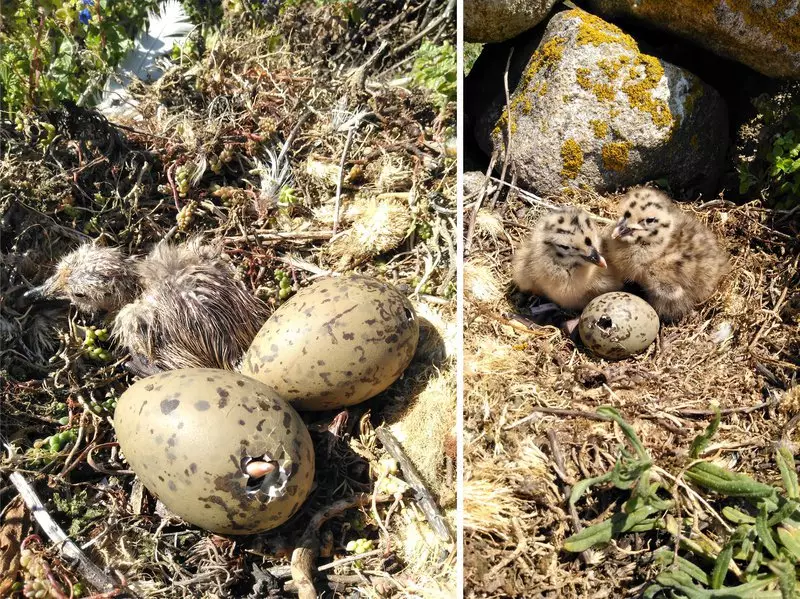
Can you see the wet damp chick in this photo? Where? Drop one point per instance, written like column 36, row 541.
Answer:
column 179, row 307
column 563, row 260
column 674, row 257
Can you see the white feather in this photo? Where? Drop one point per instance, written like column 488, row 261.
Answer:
column 169, row 26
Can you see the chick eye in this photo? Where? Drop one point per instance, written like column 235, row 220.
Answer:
column 79, row 295
column 650, row 221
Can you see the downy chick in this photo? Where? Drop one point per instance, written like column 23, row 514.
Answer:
column 180, row 307
column 673, row 256
column 562, row 260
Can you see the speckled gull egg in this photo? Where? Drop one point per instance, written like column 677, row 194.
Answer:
column 192, row 435
column 335, row 343
column 617, row 325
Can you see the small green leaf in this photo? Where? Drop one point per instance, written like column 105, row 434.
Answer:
column 764, row 532
column 737, row 516
column 721, row 564
column 581, row 487
column 788, row 468
column 701, row 441
column 789, row 537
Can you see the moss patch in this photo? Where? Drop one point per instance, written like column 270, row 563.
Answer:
column 616, row 155
column 571, row 159
column 600, row 128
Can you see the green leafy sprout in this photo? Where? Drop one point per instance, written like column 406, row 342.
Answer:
column 761, row 551
column 435, row 70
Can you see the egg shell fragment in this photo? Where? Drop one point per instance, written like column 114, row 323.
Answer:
column 189, row 435
column 335, row 343
column 617, row 325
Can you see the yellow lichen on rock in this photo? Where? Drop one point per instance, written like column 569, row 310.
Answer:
column 546, row 56
column 643, row 76
column 612, row 67
column 594, row 30
column 640, row 92
column 604, row 92
column 571, row 159
column 616, row 155
column 600, row 128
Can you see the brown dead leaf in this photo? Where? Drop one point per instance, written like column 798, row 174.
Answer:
column 15, row 523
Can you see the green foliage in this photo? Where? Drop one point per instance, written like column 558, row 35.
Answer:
column 760, row 552
column 56, row 50
column 471, row 53
column 770, row 158
column 435, row 69
column 208, row 12
column 784, row 161
column 79, row 509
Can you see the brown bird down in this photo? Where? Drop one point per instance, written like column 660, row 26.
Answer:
column 180, row 307
column 672, row 255
column 563, row 260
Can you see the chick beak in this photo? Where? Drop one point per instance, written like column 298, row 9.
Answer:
column 596, row 258
column 35, row 294
column 259, row 469
column 52, row 287
column 621, row 230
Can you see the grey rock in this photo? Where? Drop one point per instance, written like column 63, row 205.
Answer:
column 590, row 110
column 488, row 21
column 762, row 34
column 473, row 183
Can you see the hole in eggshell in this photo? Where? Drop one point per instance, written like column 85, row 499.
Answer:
column 605, row 323
column 409, row 314
column 259, row 471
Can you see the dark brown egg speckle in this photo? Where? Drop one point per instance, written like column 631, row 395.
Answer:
column 205, row 427
column 617, row 325
column 336, row 343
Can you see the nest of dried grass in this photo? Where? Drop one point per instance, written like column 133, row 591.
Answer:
column 240, row 124
column 530, row 396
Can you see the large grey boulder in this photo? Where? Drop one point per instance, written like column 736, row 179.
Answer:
column 763, row 34
column 590, row 110
column 488, row 21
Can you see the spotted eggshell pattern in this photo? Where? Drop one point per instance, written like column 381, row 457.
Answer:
column 617, row 325
column 335, row 343
column 188, row 434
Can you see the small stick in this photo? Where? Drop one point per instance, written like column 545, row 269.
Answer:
column 348, row 559
column 86, row 568
column 425, row 499
column 339, row 183
column 739, row 410
column 561, row 470
column 278, row 237
column 305, row 554
column 477, row 206
column 450, row 8
column 522, row 546
column 497, row 193
column 557, row 412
